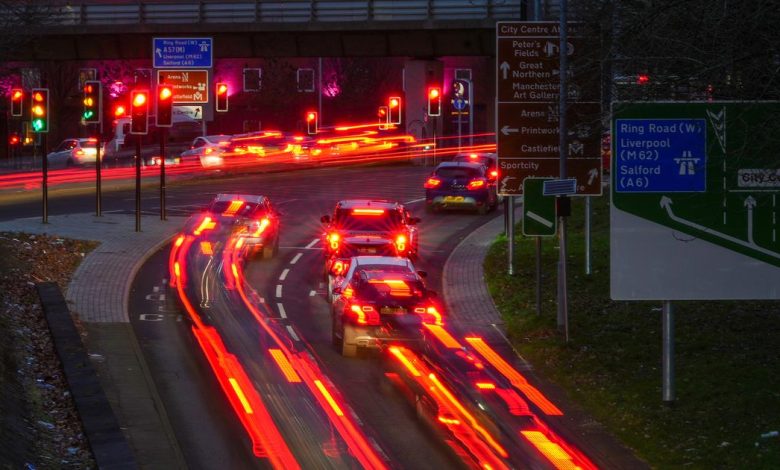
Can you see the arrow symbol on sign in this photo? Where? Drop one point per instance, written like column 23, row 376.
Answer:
column 666, row 203
column 750, row 203
column 592, row 174
column 505, row 69
column 506, row 130
column 158, row 52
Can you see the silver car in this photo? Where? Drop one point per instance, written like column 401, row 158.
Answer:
column 205, row 146
column 74, row 152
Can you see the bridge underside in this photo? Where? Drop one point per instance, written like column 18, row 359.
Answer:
column 422, row 42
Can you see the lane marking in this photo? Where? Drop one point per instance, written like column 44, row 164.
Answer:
column 278, row 290
column 414, row 200
column 287, row 247
column 312, row 293
column 292, row 333
column 284, row 274
column 312, row 243
column 282, row 313
column 296, row 258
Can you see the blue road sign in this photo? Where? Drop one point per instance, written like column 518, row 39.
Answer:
column 559, row 187
column 459, row 104
column 182, row 52
column 660, row 155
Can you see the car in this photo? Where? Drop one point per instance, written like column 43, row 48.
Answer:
column 367, row 227
column 250, row 217
column 489, row 159
column 74, row 152
column 205, row 145
column 381, row 300
column 460, row 185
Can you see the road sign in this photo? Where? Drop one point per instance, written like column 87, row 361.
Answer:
column 539, row 217
column 560, row 187
column 189, row 86
column 182, row 53
column 528, row 125
column 192, row 112
column 695, row 201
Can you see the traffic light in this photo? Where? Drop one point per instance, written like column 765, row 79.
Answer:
column 382, row 115
column 139, row 112
column 92, row 102
column 642, row 79
column 434, row 101
column 39, row 111
column 164, row 106
column 394, row 110
column 311, row 122
column 120, row 110
column 222, row 97
column 17, row 95
column 14, row 139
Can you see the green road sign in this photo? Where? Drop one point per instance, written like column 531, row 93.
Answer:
column 539, row 218
column 706, row 172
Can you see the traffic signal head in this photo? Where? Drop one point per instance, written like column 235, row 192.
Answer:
column 311, row 122
column 382, row 115
column 17, row 95
column 434, row 101
column 39, row 111
column 13, row 139
column 222, row 97
column 164, row 106
column 642, row 79
column 92, row 102
column 394, row 110
column 119, row 110
column 139, row 112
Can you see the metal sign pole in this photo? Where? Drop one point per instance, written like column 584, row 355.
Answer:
column 137, row 183
column 511, row 236
column 163, row 136
column 471, row 113
column 667, row 352
column 538, row 275
column 588, row 212
column 45, row 182
column 563, row 313
column 98, row 176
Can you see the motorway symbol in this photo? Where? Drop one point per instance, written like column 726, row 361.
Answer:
column 539, row 216
column 182, row 52
column 705, row 170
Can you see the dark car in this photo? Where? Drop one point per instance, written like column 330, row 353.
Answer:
column 381, row 299
column 367, row 227
column 251, row 218
column 460, row 185
column 490, row 160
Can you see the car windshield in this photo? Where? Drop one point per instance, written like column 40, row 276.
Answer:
column 375, row 220
column 235, row 208
column 379, row 284
column 458, row 172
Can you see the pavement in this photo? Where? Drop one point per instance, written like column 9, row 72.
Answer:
column 99, row 292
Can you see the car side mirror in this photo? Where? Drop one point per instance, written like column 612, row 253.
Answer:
column 325, row 219
column 413, row 220
column 422, row 274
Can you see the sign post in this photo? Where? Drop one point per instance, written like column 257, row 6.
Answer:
column 539, row 217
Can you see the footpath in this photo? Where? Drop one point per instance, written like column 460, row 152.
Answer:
column 99, row 292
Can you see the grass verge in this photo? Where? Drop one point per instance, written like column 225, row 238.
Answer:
column 727, row 356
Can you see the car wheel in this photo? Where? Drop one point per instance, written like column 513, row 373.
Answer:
column 347, row 350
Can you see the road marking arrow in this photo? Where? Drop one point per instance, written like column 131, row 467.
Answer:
column 666, row 203
column 539, row 219
column 505, row 69
column 506, row 130
column 750, row 203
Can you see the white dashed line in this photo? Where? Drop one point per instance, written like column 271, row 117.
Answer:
column 296, row 258
column 292, row 333
column 414, row 200
column 282, row 313
column 312, row 293
column 312, row 243
column 278, row 290
column 284, row 274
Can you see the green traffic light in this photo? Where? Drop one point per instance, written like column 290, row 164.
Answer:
column 38, row 125
column 88, row 114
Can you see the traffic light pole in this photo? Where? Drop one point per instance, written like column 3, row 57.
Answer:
column 163, row 136
column 45, row 182
column 563, row 310
column 98, row 176
column 137, row 183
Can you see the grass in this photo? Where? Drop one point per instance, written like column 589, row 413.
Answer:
column 727, row 356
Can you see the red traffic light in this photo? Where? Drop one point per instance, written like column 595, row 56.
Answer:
column 311, row 122
column 17, row 95
column 164, row 106
column 166, row 93
column 394, row 102
column 311, row 116
column 139, row 112
column 222, row 97
column 13, row 139
column 394, row 110
column 434, row 101
column 642, row 79
column 120, row 110
column 139, row 99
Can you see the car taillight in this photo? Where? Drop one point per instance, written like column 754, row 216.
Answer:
column 78, row 152
column 261, row 225
column 494, row 174
column 364, row 314
column 475, row 184
column 334, row 239
column 400, row 243
column 429, row 315
column 339, row 267
column 432, row 183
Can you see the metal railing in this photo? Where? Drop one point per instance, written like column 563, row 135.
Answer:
column 128, row 12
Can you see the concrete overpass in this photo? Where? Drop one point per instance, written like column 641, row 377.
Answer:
column 93, row 29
